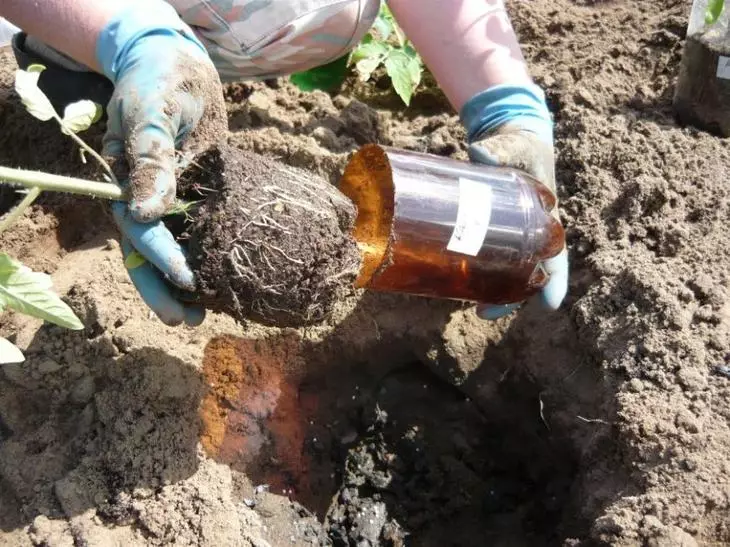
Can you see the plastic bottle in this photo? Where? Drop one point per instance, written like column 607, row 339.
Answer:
column 433, row 226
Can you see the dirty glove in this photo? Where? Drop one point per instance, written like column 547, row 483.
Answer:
column 510, row 125
column 167, row 96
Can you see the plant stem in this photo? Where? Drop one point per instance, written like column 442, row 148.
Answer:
column 88, row 149
column 58, row 183
column 19, row 209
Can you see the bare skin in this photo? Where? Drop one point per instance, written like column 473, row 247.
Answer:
column 69, row 26
column 469, row 45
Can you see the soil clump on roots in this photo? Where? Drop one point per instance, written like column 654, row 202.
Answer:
column 271, row 242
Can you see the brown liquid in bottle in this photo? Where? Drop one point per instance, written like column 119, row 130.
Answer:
column 433, row 226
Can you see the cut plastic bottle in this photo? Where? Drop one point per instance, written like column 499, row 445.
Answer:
column 438, row 227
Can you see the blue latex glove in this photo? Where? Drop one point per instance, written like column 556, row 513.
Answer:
column 510, row 125
column 167, row 97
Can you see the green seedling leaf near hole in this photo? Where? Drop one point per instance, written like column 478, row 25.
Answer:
column 385, row 45
column 34, row 100
column 81, row 115
column 714, row 10
column 9, row 353
column 404, row 70
column 29, row 292
column 368, row 57
column 326, row 77
column 134, row 260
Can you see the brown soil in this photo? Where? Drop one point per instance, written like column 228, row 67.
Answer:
column 270, row 243
column 605, row 423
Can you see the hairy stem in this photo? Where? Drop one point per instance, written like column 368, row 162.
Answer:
column 19, row 209
column 58, row 183
column 94, row 154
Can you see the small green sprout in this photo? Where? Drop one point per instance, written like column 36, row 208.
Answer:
column 181, row 207
column 385, row 45
column 714, row 10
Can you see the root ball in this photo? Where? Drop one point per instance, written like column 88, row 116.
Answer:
column 271, row 243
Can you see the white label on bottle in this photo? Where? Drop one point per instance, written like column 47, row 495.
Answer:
column 472, row 217
column 723, row 68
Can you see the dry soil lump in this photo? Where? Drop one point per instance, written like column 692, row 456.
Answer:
column 270, row 243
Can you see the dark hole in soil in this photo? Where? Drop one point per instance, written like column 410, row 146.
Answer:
column 403, row 458
column 433, row 470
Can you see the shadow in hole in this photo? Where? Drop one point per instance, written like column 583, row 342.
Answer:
column 80, row 426
column 499, row 459
column 362, row 433
column 284, row 410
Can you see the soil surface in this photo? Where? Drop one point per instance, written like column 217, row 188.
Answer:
column 402, row 421
column 270, row 243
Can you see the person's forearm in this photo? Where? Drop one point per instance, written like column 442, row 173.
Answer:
column 69, row 26
column 468, row 45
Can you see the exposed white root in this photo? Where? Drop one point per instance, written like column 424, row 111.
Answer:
column 280, row 251
column 265, row 258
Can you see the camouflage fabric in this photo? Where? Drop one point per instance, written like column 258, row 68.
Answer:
column 256, row 39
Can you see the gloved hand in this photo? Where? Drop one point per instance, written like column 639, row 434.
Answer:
column 167, row 100
column 511, row 126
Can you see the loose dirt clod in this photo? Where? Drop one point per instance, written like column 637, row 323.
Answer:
column 271, row 243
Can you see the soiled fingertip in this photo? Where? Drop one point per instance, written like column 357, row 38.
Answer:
column 150, row 209
column 194, row 316
column 155, row 294
column 479, row 153
column 180, row 274
column 153, row 190
column 556, row 289
column 171, row 320
column 492, row 312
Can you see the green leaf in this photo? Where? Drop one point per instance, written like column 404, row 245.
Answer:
column 34, row 100
column 182, row 207
column 9, row 353
column 366, row 67
column 30, row 292
column 383, row 27
column 134, row 260
column 405, row 72
column 416, row 69
column 369, row 57
column 370, row 50
column 326, row 77
column 714, row 10
column 81, row 115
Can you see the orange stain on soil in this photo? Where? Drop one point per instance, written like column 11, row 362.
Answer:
column 253, row 418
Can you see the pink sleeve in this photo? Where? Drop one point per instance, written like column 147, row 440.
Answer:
column 468, row 45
